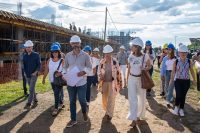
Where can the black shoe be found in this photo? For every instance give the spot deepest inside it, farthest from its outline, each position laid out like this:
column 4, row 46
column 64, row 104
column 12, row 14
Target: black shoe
column 108, row 118
column 27, row 106
column 85, row 117
column 162, row 94
column 26, row 94
column 35, row 104
column 148, row 94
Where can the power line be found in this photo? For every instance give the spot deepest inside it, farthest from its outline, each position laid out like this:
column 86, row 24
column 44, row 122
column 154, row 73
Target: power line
column 74, row 7
column 112, row 21
column 178, row 23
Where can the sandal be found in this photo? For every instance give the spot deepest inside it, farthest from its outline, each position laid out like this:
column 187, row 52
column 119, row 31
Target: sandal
column 133, row 124
column 141, row 122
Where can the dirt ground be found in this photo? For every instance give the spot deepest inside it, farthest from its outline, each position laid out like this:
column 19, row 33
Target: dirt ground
column 39, row 120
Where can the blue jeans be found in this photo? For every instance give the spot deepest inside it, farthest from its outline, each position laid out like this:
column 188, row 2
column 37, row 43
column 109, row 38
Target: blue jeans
column 73, row 91
column 31, row 82
column 62, row 95
column 57, row 95
column 90, row 80
column 169, row 88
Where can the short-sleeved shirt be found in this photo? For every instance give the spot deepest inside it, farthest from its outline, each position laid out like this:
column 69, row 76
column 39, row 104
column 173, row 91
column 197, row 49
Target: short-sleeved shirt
column 82, row 61
column 169, row 64
column 136, row 63
column 122, row 57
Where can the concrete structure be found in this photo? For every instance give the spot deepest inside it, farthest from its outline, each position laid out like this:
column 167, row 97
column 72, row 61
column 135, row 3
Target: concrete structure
column 17, row 29
column 122, row 39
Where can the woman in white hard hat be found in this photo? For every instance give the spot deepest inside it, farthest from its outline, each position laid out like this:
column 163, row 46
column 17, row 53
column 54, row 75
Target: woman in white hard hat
column 180, row 74
column 136, row 94
column 110, row 82
column 96, row 57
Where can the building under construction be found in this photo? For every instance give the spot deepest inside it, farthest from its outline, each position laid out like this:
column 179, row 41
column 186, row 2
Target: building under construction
column 15, row 30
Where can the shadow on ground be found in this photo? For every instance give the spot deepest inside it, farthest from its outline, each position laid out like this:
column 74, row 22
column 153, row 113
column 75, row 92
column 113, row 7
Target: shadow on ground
column 11, row 104
column 107, row 127
column 7, row 127
column 41, row 124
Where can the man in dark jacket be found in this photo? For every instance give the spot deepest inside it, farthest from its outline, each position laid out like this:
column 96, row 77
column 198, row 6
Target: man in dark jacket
column 32, row 64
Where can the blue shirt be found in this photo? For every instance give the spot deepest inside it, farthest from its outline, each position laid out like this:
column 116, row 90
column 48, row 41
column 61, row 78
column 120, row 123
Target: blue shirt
column 31, row 63
column 163, row 66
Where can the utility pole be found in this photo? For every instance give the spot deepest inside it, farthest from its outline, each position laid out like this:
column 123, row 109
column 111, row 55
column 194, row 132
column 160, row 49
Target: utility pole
column 19, row 8
column 105, row 25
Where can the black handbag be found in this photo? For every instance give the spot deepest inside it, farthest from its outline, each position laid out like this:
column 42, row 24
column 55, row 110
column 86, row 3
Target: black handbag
column 58, row 80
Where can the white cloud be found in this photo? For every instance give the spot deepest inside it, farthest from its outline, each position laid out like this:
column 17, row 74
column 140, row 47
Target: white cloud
column 129, row 11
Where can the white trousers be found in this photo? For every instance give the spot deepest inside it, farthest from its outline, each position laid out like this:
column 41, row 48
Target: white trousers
column 137, row 98
column 123, row 72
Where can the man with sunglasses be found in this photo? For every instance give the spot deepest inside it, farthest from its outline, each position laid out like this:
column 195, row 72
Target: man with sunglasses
column 80, row 59
column 32, row 64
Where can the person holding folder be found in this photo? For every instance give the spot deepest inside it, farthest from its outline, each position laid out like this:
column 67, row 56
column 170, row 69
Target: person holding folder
column 81, row 60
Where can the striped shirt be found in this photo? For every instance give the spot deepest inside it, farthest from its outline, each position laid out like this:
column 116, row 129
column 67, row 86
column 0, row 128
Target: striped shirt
column 182, row 69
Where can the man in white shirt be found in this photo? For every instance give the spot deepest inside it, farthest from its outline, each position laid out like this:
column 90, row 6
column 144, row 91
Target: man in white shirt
column 80, row 59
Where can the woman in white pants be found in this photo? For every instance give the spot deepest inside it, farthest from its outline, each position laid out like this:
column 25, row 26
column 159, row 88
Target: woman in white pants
column 136, row 95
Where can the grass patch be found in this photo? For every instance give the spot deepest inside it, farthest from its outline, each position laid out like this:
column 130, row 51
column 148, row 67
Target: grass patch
column 13, row 90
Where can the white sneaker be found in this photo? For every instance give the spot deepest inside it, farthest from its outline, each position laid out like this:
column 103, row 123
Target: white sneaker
column 181, row 112
column 175, row 111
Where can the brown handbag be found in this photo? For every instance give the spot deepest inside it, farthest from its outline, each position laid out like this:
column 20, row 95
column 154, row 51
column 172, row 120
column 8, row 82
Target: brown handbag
column 146, row 80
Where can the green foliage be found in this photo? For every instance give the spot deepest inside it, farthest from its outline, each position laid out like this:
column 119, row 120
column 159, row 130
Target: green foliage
column 13, row 90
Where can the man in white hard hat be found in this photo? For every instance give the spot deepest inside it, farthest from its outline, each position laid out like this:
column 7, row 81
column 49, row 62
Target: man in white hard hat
column 80, row 59
column 122, row 58
column 32, row 65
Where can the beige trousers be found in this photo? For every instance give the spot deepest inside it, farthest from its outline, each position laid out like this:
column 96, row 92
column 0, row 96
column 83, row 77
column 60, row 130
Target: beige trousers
column 108, row 98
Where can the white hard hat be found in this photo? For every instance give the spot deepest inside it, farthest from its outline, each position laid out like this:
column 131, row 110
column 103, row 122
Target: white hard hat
column 28, row 43
column 183, row 48
column 122, row 47
column 107, row 49
column 96, row 50
column 137, row 41
column 75, row 38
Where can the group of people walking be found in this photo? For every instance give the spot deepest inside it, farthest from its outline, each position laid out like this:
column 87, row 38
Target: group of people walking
column 110, row 74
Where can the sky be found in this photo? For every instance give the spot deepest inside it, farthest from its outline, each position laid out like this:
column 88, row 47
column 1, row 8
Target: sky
column 149, row 19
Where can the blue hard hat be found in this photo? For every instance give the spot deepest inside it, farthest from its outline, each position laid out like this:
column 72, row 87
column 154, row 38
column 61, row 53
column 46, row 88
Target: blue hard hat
column 56, row 43
column 87, row 48
column 171, row 46
column 148, row 43
column 55, row 48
